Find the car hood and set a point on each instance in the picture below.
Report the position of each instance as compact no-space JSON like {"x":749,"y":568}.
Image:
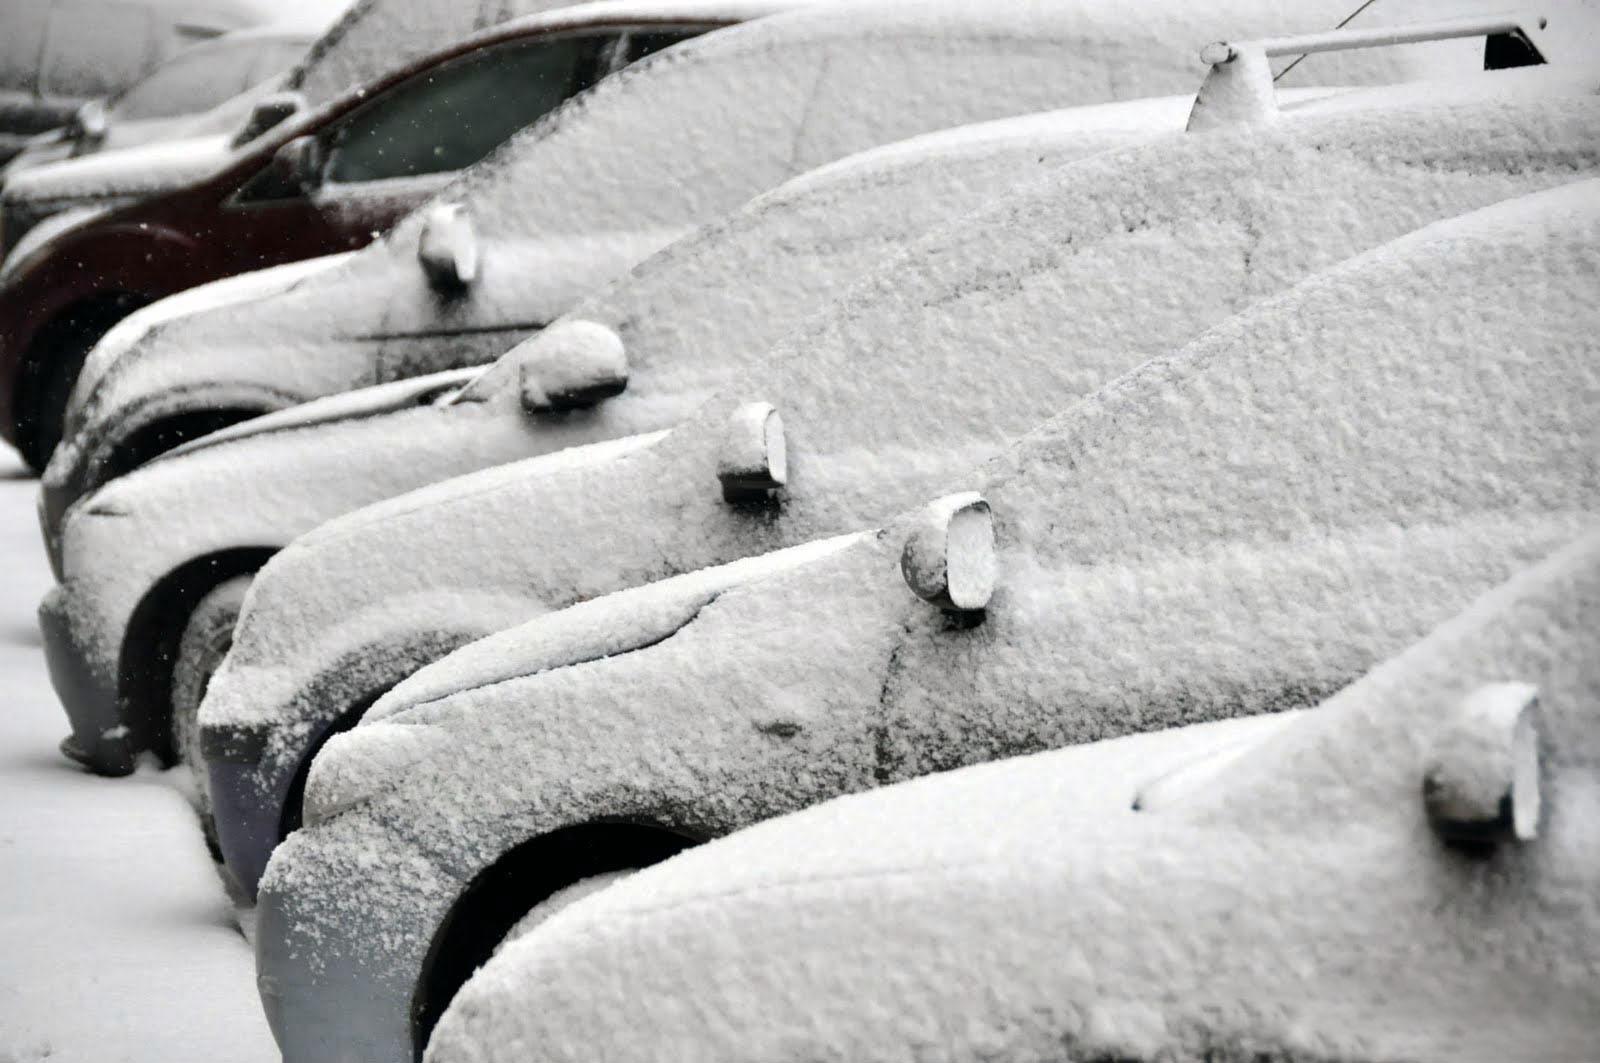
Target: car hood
{"x":1297,"y":894}
{"x":109,"y":175}
{"x":229,"y":291}
{"x":396,"y":732}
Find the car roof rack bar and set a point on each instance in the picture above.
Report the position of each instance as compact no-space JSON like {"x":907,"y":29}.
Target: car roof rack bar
{"x":1238,"y":87}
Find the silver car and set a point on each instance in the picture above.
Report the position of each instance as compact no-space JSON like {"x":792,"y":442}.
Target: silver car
{"x":1241,"y":527}
{"x":1393,"y":875}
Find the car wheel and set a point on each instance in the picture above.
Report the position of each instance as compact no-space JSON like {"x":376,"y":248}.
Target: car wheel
{"x":206,"y":638}
{"x":65,"y":343}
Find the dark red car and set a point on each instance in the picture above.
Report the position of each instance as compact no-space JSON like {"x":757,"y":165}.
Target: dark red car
{"x":313,"y":184}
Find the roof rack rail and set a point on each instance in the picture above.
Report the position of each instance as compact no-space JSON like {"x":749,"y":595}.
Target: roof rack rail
{"x":1238,"y":87}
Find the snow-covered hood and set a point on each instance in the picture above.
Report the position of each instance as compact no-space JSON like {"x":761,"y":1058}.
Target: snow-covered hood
{"x":1037,"y":902}
{"x":229,"y":291}
{"x":119,"y":176}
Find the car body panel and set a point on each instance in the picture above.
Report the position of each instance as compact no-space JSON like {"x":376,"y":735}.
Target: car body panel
{"x":908,"y":380}
{"x":1242,"y":526}
{"x":1289,"y":894}
{"x":224,"y":223}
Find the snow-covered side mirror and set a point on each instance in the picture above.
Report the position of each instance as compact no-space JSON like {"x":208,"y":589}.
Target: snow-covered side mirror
{"x":270,"y":111}
{"x":570,"y":365}
{"x":754,"y":460}
{"x":91,"y":120}
{"x":1238,"y":87}
{"x":1481,"y":782}
{"x":448,"y":248}
{"x":949,"y":558}
{"x":297,"y":165}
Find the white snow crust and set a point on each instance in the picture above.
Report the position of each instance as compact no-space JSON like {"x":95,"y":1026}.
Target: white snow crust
{"x":117,"y":942}
{"x":622,"y":170}
{"x":930,"y":365}
{"x":1241,"y":527}
{"x":1295,"y":903}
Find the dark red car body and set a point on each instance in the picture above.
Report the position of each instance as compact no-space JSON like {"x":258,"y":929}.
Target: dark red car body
{"x":92,"y":275}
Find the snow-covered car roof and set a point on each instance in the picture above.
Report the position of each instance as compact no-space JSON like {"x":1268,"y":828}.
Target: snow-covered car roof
{"x":1288,"y":891}
{"x":582,"y":207}
{"x":949,"y":351}
{"x":1240,"y":527}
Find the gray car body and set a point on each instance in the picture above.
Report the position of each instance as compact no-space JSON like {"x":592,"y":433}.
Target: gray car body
{"x":1241,"y":527}
{"x":374,"y":320}
{"x":612,"y":199}
{"x":1268,"y":887}
{"x":327,"y":630}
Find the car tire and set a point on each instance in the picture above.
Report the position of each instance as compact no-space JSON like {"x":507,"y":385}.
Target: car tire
{"x":42,"y":410}
{"x":206,"y":638}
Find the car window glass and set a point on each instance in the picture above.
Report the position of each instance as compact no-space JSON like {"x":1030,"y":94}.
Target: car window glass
{"x":451,"y":117}
{"x":189,"y":82}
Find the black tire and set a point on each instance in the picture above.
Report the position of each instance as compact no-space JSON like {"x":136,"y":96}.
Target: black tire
{"x":52,"y":370}
{"x":206,"y":639}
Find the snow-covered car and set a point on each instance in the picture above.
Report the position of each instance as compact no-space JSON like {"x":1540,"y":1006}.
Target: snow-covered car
{"x":1240,"y":527}
{"x":1401,"y":873}
{"x":376,"y":319}
{"x":166,"y":103}
{"x":55,"y":57}
{"x":372,"y":38}
{"x":941,"y":358}
{"x":687,"y":320}
{"x":327,"y":181}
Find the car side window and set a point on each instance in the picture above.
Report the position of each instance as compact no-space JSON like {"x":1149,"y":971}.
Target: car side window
{"x":452,"y":116}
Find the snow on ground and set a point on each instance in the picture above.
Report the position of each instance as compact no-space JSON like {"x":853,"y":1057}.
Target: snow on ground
{"x":117,"y":940}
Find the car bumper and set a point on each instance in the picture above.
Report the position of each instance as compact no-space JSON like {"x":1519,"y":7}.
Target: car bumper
{"x":246,"y":800}
{"x":337,"y":978}
{"x":100,"y":739}
{"x":63,"y":483}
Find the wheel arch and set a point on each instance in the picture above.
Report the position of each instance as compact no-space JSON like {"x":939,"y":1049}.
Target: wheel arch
{"x":150,"y":647}
{"x":506,"y":890}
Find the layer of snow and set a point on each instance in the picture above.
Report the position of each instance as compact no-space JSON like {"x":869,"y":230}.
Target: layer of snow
{"x":933,"y":364}
{"x":1295,"y":902}
{"x":117,"y":942}
{"x":835,"y":80}
{"x":122,"y":174}
{"x":1241,"y":527}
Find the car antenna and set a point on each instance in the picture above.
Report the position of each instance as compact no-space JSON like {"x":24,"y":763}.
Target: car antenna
{"x":1347,"y":20}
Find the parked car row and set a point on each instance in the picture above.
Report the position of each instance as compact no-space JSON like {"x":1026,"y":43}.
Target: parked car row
{"x":739,"y":407}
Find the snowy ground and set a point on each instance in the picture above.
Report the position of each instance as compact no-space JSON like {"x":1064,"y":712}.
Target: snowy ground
{"x":117,"y":940}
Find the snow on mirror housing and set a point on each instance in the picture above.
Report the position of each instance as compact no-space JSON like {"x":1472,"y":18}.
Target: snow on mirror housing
{"x":754,"y":460}
{"x":949,"y":558}
{"x":270,"y":111}
{"x":91,"y":121}
{"x":1481,"y":782}
{"x":1238,"y":88}
{"x":297,"y":165}
{"x":571,"y":365}
{"x":448,"y":248}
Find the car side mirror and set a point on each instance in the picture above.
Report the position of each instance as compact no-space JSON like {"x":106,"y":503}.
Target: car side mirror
{"x":270,"y":111}
{"x":949,"y":558}
{"x":447,"y":248}
{"x":90,"y":121}
{"x":571,"y":365}
{"x":298,"y":164}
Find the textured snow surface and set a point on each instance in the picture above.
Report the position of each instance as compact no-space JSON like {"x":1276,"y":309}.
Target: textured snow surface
{"x":128,"y":172}
{"x":623,"y":169}
{"x":1294,"y":902}
{"x":117,"y":942}
{"x":1242,"y":527}
{"x":688,"y":316}
{"x":977,"y":333}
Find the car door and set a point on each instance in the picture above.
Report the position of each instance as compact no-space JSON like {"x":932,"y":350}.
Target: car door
{"x":382,"y":159}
